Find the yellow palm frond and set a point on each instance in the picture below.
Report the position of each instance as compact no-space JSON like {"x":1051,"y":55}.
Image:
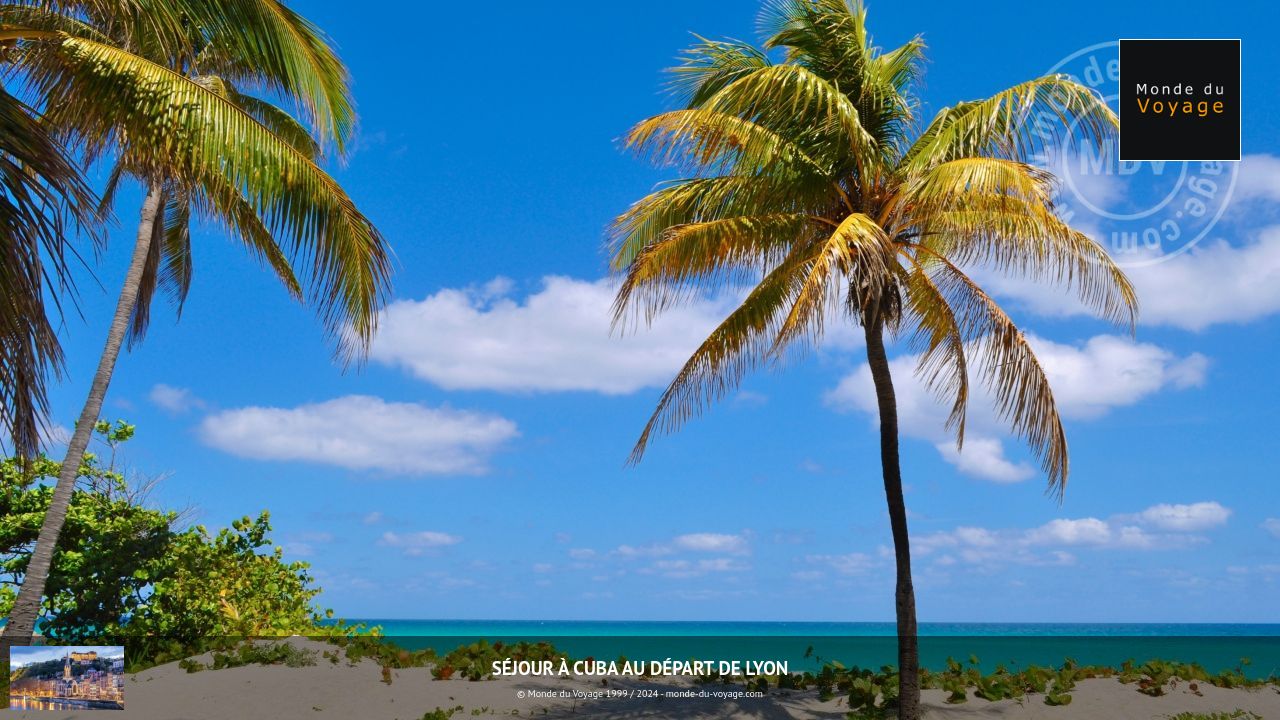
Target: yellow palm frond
{"x":798,"y":104}
{"x":965,"y":182}
{"x":1000,"y":214}
{"x":733,"y":349}
{"x":1018,"y":123}
{"x":699,"y":200}
{"x":700,"y":139}
{"x":1028,"y":240}
{"x":857,"y":252}
{"x":707,"y":256}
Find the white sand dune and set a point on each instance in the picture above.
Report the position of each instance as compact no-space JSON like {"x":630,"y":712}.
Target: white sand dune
{"x":329,"y":692}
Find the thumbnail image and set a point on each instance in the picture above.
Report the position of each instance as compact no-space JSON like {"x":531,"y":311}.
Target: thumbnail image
{"x":64,"y":678}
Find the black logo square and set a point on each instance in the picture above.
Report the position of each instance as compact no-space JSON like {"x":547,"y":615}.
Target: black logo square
{"x":1179,"y":99}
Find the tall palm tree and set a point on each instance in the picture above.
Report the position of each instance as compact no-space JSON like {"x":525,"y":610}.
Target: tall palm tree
{"x":811,"y":181}
{"x":153,"y":85}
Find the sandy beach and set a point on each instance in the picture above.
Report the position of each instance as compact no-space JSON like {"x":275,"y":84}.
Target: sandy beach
{"x":346,"y":690}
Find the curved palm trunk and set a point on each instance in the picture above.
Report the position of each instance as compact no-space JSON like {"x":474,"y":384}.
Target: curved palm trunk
{"x":905,"y":596}
{"x":26,"y":608}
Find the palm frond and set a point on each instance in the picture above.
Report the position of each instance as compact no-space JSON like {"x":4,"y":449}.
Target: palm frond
{"x":1009,"y":369}
{"x":857,"y":252}
{"x":699,"y":200}
{"x":707,"y":257}
{"x":1020,"y":123}
{"x":701,"y":140}
{"x":711,"y":65}
{"x":263,"y":43}
{"x":43,"y":202}
{"x":806,"y":108}
{"x":943,"y":366}
{"x":1000,"y":214}
{"x":171,"y":126}
{"x":733,"y":349}
{"x":284,"y":125}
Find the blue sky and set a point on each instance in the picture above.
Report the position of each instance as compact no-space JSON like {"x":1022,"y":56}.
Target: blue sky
{"x":475,"y":467}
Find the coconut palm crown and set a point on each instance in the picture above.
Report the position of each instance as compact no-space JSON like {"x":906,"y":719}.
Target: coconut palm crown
{"x":810,"y":179}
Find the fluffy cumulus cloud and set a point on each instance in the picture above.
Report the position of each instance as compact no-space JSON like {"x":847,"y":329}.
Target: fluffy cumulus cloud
{"x":1159,"y":527}
{"x":556,"y":339}
{"x":363,"y":433}
{"x":1088,"y":380}
{"x":559,"y":338}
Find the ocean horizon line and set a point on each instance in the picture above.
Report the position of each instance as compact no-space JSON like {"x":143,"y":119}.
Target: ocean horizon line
{"x":460,"y":627}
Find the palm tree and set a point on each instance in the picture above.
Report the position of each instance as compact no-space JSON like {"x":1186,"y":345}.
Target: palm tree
{"x":810,"y":181}
{"x":154,"y":86}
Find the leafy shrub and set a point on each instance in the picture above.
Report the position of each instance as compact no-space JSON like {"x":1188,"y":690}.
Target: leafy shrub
{"x":126,"y":574}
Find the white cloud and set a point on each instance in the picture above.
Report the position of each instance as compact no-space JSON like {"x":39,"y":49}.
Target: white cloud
{"x":984,"y":457}
{"x":712,"y":542}
{"x":372,"y":518}
{"x":416,"y":543}
{"x":363,"y":433}
{"x":174,"y":400}
{"x":1088,"y":380}
{"x":1085,"y":531}
{"x":1272,"y":525}
{"x":1159,"y":527}
{"x":557,"y":339}
{"x":1197,"y":516}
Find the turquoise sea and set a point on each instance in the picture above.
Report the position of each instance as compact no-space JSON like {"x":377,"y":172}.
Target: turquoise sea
{"x":1255,"y":648}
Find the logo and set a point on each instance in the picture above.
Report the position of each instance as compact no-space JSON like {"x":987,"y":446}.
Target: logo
{"x":1142,"y":212}
{"x":1180,"y":99}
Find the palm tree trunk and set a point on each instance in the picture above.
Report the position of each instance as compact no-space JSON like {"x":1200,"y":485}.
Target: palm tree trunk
{"x":26,"y":607}
{"x":904,"y":596}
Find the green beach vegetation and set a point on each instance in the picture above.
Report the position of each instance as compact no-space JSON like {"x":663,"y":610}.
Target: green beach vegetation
{"x":809,"y":179}
{"x":127,"y":573}
{"x":154,"y":89}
